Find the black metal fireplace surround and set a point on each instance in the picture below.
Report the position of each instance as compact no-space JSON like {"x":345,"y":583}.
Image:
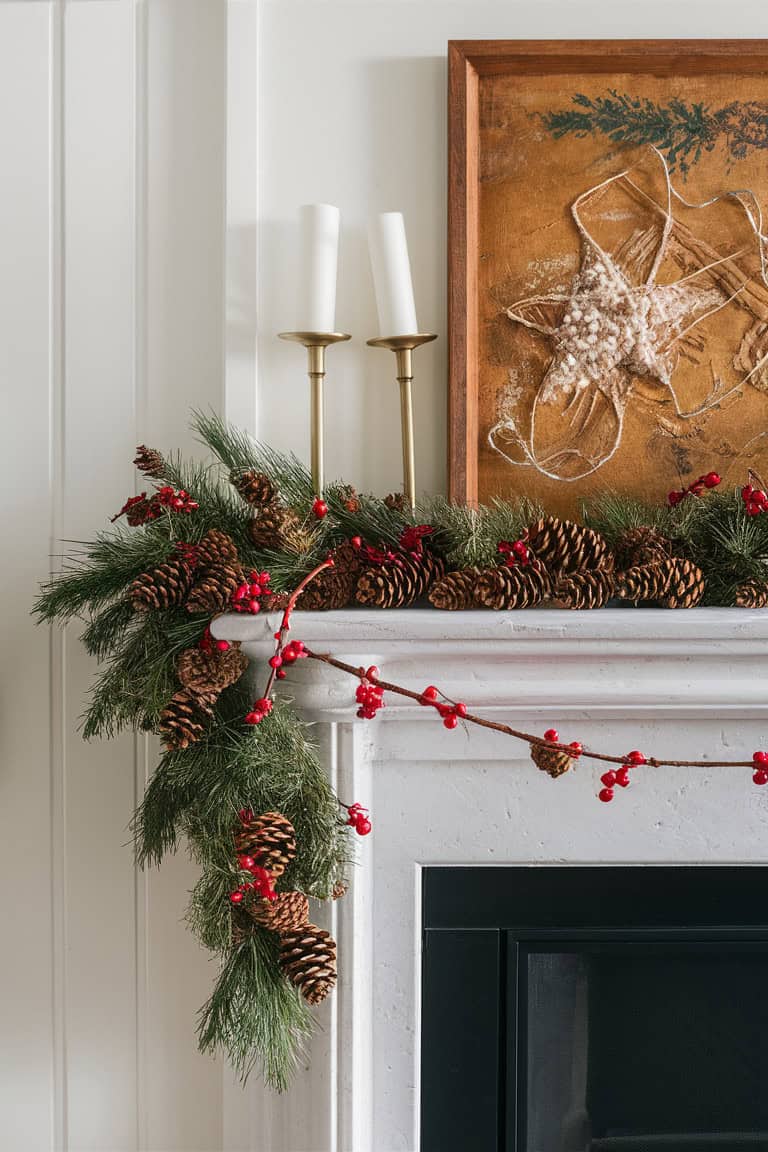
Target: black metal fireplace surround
{"x":609,"y":1009}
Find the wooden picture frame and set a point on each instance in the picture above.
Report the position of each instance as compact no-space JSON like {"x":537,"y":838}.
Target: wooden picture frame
{"x":477,"y":62}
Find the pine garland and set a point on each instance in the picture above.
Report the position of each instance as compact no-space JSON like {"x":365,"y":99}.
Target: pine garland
{"x":267,"y":763}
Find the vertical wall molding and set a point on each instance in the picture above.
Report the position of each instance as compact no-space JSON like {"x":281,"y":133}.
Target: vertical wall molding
{"x":141,"y":742}
{"x":56,"y":434}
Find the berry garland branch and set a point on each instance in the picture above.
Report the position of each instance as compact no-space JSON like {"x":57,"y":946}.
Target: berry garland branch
{"x":529,"y":738}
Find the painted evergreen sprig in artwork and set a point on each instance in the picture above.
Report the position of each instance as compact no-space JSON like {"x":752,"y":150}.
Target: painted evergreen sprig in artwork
{"x":681,"y":131}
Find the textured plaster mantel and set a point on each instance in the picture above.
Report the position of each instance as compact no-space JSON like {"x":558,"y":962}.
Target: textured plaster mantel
{"x":613,"y":659}
{"x":680,"y":685}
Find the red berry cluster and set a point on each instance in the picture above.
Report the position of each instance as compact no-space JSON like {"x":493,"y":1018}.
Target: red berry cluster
{"x":755,"y":500}
{"x":515,"y":553}
{"x":450,"y":712}
{"x":619,"y":776}
{"x":261,"y":883}
{"x":261,"y":709}
{"x":208,"y":644}
{"x":180,"y":501}
{"x":142,"y":509}
{"x":369,"y":694}
{"x":293,"y":651}
{"x":247,"y":597}
{"x":359,"y":819}
{"x":412,"y":539}
{"x":760,"y":761}
{"x":575,"y":747}
{"x":708,"y":480}
{"x":319,"y":507}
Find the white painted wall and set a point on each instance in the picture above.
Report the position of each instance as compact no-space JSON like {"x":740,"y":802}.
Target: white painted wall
{"x":113,"y":212}
{"x":129,"y":292}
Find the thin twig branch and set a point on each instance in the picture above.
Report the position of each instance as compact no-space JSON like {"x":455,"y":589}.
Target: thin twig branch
{"x":529,"y":738}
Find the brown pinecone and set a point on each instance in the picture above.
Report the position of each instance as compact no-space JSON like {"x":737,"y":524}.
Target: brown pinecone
{"x":270,"y":839}
{"x":507,"y":587}
{"x":150,"y":462}
{"x":254,"y":487}
{"x":752,"y":594}
{"x":214,"y":671}
{"x":349,"y":499}
{"x":456,"y":590}
{"x":644,"y":581}
{"x":289,"y":912}
{"x":276,"y":526}
{"x":333,"y":588}
{"x":214,"y":588}
{"x":397,"y":502}
{"x":161,"y":587}
{"x":215,"y":548}
{"x":308,"y":959}
{"x":185,"y":718}
{"x":585,"y":589}
{"x":564,"y":546}
{"x":340,"y":890}
{"x":553,"y":761}
{"x":686,"y":585}
{"x":642,"y":545}
{"x":399,"y":582}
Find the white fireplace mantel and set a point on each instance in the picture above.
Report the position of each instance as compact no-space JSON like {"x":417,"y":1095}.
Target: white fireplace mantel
{"x":683,"y":685}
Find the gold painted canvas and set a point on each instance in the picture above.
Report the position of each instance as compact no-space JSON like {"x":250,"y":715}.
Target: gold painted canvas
{"x":622,"y":287}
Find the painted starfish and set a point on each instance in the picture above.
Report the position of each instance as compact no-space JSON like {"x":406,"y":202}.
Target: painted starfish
{"x":606,"y":333}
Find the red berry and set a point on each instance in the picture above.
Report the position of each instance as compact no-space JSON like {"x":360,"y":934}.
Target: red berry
{"x":235,"y":897}
{"x":608,"y":778}
{"x":451,"y":720}
{"x":263,"y":705}
{"x":320,"y":508}
{"x":622,"y":776}
{"x":674,"y":499}
{"x":711,"y":480}
{"x":430,"y":694}
{"x":761,"y":776}
{"x":460,"y":709}
{"x":356,"y":541}
{"x":222,"y":645}
{"x":576,"y":748}
{"x":372,"y":673}
{"x":246,"y":862}
{"x":760,"y":758}
{"x":444,"y":709}
{"x":280,"y":674}
{"x":636,"y":757}
{"x":275,"y":661}
{"x":254,"y":717}
{"x":552,"y":735}
{"x":606,"y":795}
{"x":363,"y":826}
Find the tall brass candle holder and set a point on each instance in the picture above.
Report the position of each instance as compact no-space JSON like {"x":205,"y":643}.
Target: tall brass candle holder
{"x":316,"y":344}
{"x":403,"y":347}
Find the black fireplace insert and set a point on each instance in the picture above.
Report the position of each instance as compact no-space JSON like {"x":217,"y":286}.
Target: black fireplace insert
{"x":594,"y":1009}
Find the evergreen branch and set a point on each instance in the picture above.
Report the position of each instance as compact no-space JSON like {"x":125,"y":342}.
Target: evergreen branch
{"x":254,"y":1013}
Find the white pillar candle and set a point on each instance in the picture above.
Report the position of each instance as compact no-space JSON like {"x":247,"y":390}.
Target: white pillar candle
{"x":392,"y":275}
{"x":317,"y":268}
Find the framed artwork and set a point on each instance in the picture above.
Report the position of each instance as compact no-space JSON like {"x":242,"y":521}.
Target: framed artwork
{"x":608,"y":268}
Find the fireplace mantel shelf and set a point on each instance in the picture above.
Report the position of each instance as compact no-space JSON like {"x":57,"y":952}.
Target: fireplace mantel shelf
{"x":614,"y":659}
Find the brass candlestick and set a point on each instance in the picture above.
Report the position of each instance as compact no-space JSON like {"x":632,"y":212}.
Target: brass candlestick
{"x":316,"y":344}
{"x":403,"y":347}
